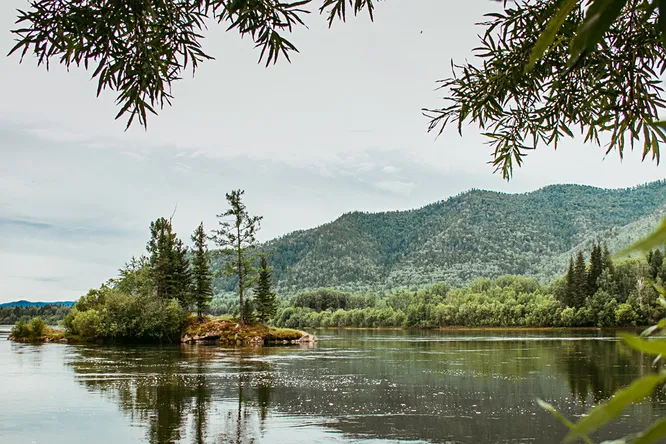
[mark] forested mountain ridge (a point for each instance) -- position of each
(474, 234)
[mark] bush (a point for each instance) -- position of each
(31, 329)
(86, 324)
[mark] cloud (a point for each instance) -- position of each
(390, 169)
(396, 186)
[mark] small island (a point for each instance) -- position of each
(162, 297)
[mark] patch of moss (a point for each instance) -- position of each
(229, 331)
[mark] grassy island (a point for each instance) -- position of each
(195, 331)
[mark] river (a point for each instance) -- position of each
(354, 387)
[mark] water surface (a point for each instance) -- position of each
(356, 387)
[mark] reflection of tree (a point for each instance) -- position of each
(171, 390)
(588, 365)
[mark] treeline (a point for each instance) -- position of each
(598, 293)
(51, 314)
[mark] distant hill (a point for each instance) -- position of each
(475, 234)
(36, 304)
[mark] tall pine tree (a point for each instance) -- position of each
(265, 303)
(169, 267)
(596, 268)
(580, 287)
(182, 275)
(236, 237)
(569, 286)
(201, 276)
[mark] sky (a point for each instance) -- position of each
(339, 129)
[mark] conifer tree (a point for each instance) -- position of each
(579, 281)
(569, 286)
(264, 299)
(607, 260)
(161, 248)
(236, 237)
(201, 276)
(182, 275)
(169, 266)
(596, 268)
(656, 261)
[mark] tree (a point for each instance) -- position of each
(656, 261)
(237, 239)
(161, 247)
(264, 299)
(547, 67)
(596, 268)
(182, 276)
(201, 275)
(569, 287)
(139, 48)
(579, 281)
(168, 263)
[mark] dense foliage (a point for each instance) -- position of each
(529, 87)
(475, 234)
(602, 293)
(148, 301)
(51, 314)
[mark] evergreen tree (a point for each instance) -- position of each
(596, 268)
(656, 261)
(580, 287)
(182, 275)
(607, 260)
(237, 239)
(161, 247)
(264, 299)
(201, 275)
(169, 266)
(569, 285)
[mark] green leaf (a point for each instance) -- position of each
(611, 409)
(651, 347)
(653, 240)
(600, 16)
(652, 434)
(544, 405)
(547, 37)
(660, 326)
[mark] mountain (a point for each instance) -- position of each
(475, 234)
(36, 304)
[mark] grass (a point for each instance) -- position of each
(230, 331)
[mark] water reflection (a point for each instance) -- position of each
(364, 386)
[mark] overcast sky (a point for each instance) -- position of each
(339, 129)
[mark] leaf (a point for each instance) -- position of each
(547, 37)
(653, 434)
(653, 240)
(611, 409)
(651, 347)
(600, 16)
(544, 405)
(648, 331)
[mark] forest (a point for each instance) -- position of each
(597, 292)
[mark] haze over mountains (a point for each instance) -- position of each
(475, 234)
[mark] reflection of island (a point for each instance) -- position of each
(172, 390)
(436, 391)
